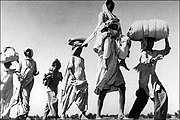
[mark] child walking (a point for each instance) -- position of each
(51, 80)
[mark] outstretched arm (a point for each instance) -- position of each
(93, 34)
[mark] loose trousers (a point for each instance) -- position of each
(160, 104)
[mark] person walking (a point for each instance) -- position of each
(51, 80)
(109, 77)
(149, 83)
(8, 90)
(27, 70)
(75, 84)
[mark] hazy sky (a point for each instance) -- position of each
(46, 26)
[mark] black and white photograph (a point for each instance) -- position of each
(89, 60)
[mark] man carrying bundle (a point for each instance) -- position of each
(152, 88)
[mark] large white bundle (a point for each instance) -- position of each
(154, 28)
(9, 55)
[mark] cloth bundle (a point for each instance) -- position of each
(9, 55)
(154, 28)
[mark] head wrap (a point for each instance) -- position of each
(110, 2)
(76, 43)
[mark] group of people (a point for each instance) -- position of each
(112, 48)
(23, 77)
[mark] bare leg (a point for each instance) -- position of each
(100, 102)
(83, 116)
(63, 116)
(121, 100)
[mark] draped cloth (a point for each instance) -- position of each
(104, 18)
(9, 92)
(111, 78)
(27, 71)
(75, 90)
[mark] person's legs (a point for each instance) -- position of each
(122, 90)
(55, 107)
(160, 104)
(68, 100)
(100, 102)
(46, 112)
(139, 103)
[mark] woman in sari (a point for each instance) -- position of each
(75, 84)
(27, 71)
(8, 91)
(149, 83)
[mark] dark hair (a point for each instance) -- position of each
(113, 26)
(7, 64)
(56, 63)
(28, 53)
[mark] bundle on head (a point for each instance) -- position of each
(154, 28)
(9, 55)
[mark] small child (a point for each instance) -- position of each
(51, 80)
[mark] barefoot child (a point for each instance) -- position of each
(51, 80)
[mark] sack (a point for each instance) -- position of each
(154, 28)
(9, 55)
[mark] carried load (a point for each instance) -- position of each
(9, 55)
(154, 28)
